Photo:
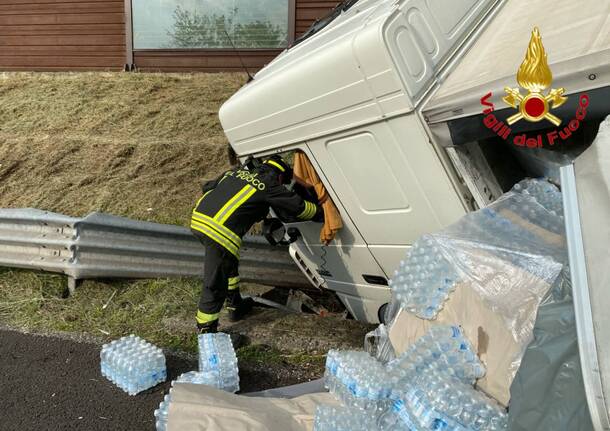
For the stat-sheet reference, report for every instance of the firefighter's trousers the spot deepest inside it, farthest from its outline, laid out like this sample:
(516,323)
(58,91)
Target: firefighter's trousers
(220,281)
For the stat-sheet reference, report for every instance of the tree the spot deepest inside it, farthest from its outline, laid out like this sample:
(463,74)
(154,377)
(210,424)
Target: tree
(194,30)
(258,34)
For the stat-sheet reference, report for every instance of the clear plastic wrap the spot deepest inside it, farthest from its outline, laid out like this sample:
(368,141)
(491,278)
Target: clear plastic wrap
(377,343)
(488,273)
(545,193)
(496,251)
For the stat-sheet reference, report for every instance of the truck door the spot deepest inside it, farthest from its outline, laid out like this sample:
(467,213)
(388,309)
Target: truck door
(345,266)
(391,183)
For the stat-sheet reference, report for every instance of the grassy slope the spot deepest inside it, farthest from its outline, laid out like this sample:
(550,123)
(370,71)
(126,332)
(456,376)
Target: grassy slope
(130,144)
(136,145)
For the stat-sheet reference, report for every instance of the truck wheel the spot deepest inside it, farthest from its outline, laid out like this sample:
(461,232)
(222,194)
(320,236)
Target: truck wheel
(381,312)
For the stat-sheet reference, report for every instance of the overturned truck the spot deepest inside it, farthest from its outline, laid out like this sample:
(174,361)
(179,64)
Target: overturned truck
(415,114)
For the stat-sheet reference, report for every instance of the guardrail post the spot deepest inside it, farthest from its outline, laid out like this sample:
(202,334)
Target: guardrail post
(71,288)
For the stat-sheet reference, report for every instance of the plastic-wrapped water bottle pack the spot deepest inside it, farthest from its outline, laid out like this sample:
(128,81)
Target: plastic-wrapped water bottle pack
(133,364)
(217,358)
(528,208)
(435,401)
(357,379)
(338,418)
(443,349)
(209,378)
(411,411)
(436,263)
(217,368)
(544,192)
(487,237)
(424,280)
(428,387)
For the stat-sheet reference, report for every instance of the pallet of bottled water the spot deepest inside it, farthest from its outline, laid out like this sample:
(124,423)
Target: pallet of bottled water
(435,264)
(133,364)
(428,387)
(217,363)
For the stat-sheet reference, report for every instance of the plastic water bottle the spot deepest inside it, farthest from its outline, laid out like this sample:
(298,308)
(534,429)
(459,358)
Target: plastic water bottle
(425,279)
(442,348)
(217,357)
(133,364)
(358,380)
(335,418)
(162,412)
(545,193)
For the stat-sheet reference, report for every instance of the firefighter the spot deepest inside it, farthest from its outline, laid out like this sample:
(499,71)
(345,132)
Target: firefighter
(230,205)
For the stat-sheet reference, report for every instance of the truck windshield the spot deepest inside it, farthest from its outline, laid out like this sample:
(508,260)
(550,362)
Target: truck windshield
(323,22)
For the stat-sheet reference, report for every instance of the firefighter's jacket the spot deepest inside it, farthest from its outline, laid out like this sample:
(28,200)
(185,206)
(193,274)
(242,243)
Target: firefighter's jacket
(232,203)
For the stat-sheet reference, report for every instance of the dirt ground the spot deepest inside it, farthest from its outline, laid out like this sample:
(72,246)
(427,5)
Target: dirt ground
(54,383)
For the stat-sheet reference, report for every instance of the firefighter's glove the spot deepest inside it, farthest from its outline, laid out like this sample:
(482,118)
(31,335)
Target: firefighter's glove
(319,217)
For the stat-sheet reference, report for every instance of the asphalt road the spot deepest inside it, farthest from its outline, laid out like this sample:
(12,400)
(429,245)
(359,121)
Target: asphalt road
(49,383)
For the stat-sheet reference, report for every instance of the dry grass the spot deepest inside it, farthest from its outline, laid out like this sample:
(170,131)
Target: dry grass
(136,145)
(162,311)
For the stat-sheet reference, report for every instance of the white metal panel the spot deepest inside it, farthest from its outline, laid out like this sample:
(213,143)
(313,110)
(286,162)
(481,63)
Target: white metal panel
(586,191)
(348,154)
(368,64)
(389,257)
(337,79)
(422,34)
(415,191)
(345,24)
(576,37)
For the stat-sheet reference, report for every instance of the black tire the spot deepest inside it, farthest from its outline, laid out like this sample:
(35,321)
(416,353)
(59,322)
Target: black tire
(381,312)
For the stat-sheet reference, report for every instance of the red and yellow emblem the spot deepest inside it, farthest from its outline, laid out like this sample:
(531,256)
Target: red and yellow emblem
(535,76)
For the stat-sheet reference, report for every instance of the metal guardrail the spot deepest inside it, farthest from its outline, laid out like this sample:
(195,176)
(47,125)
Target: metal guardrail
(105,246)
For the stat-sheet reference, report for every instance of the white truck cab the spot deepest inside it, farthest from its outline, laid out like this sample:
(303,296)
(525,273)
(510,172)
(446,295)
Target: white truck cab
(381,100)
(347,96)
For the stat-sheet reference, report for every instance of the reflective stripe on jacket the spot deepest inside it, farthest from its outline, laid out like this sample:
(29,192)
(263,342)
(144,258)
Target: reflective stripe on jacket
(236,200)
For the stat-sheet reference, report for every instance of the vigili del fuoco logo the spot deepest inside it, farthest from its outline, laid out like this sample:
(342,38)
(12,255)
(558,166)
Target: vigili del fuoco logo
(534,76)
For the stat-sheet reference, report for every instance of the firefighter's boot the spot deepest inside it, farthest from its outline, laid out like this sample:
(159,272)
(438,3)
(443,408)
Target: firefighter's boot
(210,327)
(238,307)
